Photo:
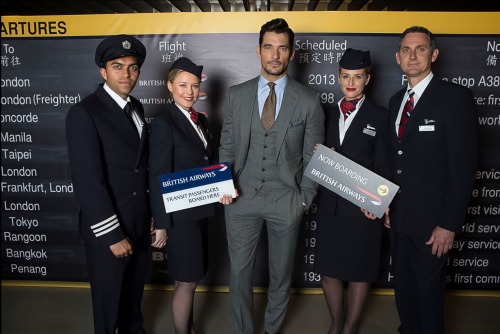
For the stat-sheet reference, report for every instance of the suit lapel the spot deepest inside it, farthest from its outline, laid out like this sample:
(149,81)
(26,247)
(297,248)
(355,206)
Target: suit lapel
(246,116)
(118,117)
(360,120)
(206,133)
(185,125)
(143,145)
(125,125)
(287,110)
(394,115)
(332,133)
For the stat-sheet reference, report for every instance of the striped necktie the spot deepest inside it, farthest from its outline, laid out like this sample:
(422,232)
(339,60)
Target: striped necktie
(194,116)
(405,116)
(347,107)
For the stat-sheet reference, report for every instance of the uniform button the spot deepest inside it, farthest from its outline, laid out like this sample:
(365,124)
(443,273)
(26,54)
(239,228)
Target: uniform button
(265,146)
(399,171)
(205,157)
(134,193)
(264,158)
(400,152)
(263,181)
(399,191)
(147,191)
(136,170)
(266,135)
(263,169)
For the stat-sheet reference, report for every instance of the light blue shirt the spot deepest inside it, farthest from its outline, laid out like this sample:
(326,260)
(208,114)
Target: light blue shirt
(263,93)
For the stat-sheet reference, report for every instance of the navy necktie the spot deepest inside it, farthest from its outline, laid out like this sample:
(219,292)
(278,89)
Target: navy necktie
(128,111)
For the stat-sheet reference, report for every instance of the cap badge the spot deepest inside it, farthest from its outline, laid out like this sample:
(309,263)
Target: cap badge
(126,45)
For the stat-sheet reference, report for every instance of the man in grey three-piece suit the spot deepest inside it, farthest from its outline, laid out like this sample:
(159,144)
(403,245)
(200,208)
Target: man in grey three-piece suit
(268,158)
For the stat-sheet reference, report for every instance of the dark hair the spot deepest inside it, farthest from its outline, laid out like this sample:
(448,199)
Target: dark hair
(278,26)
(423,30)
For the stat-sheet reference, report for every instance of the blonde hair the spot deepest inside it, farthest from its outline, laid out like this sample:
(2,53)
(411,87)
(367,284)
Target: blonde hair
(172,74)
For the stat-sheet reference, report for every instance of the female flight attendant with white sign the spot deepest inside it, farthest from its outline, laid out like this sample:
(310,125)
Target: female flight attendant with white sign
(180,140)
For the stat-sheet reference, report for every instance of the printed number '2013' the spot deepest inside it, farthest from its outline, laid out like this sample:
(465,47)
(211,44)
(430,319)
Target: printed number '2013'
(322,79)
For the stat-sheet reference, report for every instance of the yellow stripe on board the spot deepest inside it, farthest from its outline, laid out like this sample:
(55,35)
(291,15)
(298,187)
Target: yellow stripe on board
(225,289)
(248,22)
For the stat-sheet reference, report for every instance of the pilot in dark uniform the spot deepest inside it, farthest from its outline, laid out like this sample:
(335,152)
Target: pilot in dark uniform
(107,142)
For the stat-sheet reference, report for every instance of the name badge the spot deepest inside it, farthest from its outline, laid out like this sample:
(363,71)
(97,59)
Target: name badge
(369,132)
(426,128)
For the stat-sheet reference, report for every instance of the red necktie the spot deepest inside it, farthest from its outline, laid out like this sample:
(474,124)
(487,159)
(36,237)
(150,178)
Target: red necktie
(194,116)
(405,116)
(347,107)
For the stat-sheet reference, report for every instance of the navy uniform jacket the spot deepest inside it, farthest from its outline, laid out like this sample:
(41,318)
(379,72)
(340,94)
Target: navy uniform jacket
(435,163)
(109,170)
(365,142)
(175,146)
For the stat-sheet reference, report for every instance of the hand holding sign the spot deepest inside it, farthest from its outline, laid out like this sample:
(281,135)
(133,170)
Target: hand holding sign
(351,181)
(197,186)
(227,198)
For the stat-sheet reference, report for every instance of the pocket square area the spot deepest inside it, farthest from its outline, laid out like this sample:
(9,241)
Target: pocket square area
(295,123)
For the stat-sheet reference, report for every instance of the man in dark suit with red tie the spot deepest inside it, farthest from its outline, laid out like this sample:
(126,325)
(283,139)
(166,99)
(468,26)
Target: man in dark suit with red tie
(107,144)
(433,160)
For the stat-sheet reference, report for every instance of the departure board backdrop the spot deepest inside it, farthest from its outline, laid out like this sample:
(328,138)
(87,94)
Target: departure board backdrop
(48,65)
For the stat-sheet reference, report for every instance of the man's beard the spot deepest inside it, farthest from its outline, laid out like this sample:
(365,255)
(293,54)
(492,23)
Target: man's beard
(276,72)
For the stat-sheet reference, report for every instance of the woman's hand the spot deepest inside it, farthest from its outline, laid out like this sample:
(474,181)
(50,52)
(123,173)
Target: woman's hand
(387,219)
(228,199)
(368,214)
(316,147)
(160,238)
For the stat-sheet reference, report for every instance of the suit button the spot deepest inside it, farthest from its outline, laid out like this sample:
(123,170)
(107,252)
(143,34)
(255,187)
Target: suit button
(263,181)
(266,135)
(205,157)
(399,191)
(400,152)
(136,170)
(399,171)
(134,193)
(263,169)
(265,146)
